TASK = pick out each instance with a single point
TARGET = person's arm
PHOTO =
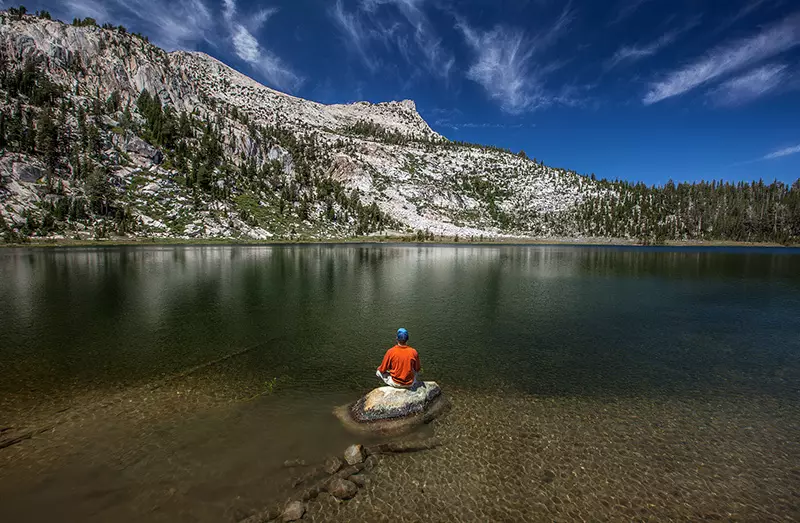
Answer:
(417, 364)
(386, 364)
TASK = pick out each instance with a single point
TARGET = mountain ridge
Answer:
(151, 143)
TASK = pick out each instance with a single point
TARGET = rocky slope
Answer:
(288, 167)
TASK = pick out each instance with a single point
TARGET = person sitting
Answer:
(401, 364)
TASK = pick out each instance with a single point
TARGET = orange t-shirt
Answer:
(401, 362)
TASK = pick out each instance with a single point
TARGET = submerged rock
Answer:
(390, 410)
(342, 488)
(354, 454)
(293, 511)
(332, 464)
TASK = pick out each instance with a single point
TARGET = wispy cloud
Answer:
(481, 125)
(403, 23)
(626, 9)
(356, 35)
(750, 86)
(183, 24)
(248, 48)
(503, 64)
(634, 53)
(780, 153)
(637, 52)
(502, 68)
(179, 24)
(727, 59)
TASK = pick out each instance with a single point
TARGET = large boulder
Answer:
(26, 172)
(389, 410)
(133, 144)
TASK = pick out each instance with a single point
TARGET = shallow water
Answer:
(653, 371)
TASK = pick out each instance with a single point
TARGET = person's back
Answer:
(401, 363)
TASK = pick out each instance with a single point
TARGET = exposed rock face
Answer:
(390, 410)
(135, 145)
(421, 180)
(27, 172)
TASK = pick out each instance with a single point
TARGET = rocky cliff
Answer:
(286, 166)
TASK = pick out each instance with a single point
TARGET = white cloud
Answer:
(787, 151)
(727, 59)
(633, 53)
(411, 33)
(179, 24)
(182, 24)
(637, 52)
(246, 45)
(357, 36)
(503, 65)
(749, 86)
(248, 48)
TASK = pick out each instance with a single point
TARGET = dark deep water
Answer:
(545, 321)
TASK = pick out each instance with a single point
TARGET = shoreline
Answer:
(380, 240)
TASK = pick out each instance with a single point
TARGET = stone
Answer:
(263, 516)
(342, 488)
(135, 145)
(354, 454)
(359, 479)
(293, 511)
(332, 464)
(289, 463)
(349, 471)
(371, 462)
(389, 410)
(390, 402)
(26, 172)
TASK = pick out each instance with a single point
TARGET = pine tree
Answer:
(47, 140)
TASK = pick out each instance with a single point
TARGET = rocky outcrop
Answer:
(422, 182)
(135, 145)
(389, 410)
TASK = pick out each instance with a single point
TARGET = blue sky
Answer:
(636, 89)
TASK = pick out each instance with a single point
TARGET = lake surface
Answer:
(549, 336)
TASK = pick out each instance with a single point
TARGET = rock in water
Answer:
(354, 454)
(390, 410)
(342, 488)
(293, 511)
(332, 464)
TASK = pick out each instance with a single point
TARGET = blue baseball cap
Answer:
(402, 334)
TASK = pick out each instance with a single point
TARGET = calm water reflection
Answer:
(543, 319)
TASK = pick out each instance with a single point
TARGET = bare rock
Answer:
(354, 454)
(391, 411)
(289, 463)
(293, 511)
(134, 144)
(342, 488)
(26, 172)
